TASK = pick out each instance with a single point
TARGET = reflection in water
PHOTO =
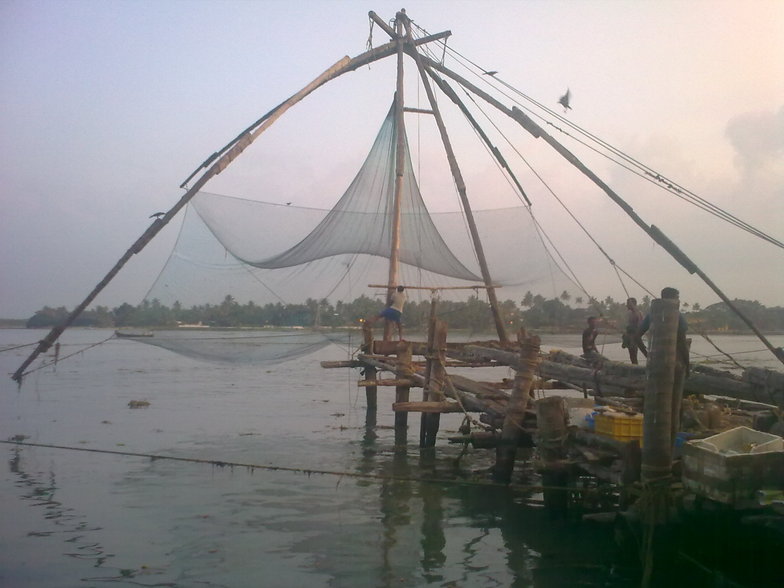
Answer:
(463, 534)
(433, 539)
(41, 493)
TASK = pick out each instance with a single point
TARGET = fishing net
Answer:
(236, 252)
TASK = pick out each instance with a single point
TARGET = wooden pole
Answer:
(461, 190)
(371, 373)
(436, 359)
(400, 131)
(447, 89)
(657, 413)
(551, 420)
(518, 403)
(405, 371)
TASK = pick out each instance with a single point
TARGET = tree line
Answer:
(534, 312)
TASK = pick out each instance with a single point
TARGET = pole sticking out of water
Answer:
(658, 407)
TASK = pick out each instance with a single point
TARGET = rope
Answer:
(563, 205)
(18, 347)
(612, 153)
(54, 362)
(308, 471)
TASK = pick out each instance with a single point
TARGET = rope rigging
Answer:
(486, 143)
(631, 164)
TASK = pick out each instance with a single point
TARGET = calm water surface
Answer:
(348, 509)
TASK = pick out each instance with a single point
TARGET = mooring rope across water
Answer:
(307, 471)
(59, 359)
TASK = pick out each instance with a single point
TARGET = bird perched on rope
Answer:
(564, 100)
(490, 73)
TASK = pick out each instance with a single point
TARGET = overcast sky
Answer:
(106, 106)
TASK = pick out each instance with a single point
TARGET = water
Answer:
(347, 509)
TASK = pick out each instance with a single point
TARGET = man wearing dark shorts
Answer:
(394, 311)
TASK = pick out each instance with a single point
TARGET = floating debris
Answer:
(138, 404)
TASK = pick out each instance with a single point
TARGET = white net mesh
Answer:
(254, 253)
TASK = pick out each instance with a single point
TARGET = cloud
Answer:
(758, 141)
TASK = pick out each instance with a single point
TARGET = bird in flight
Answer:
(564, 100)
(157, 215)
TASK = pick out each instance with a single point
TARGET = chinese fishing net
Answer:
(249, 262)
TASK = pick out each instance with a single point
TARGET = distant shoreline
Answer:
(542, 331)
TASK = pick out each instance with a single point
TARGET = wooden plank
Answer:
(426, 406)
(393, 382)
(352, 363)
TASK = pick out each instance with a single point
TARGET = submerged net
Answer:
(233, 251)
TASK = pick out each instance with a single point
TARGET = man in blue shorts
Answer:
(393, 312)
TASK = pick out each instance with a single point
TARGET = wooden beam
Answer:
(352, 363)
(395, 382)
(461, 188)
(426, 407)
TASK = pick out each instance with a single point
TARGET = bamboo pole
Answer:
(511, 432)
(437, 381)
(447, 89)
(400, 131)
(657, 412)
(404, 371)
(551, 435)
(371, 374)
(461, 189)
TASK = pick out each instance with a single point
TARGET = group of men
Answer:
(636, 327)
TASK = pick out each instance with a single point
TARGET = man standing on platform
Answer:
(631, 340)
(393, 312)
(590, 352)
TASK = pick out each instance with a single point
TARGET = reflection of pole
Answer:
(395, 498)
(461, 189)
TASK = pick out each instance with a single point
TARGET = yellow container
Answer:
(620, 426)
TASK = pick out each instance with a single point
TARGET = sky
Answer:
(106, 106)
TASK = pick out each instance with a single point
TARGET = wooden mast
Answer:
(461, 189)
(394, 254)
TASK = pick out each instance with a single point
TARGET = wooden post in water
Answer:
(551, 420)
(518, 403)
(371, 373)
(404, 370)
(658, 408)
(654, 505)
(434, 387)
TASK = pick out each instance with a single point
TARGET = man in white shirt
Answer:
(394, 310)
